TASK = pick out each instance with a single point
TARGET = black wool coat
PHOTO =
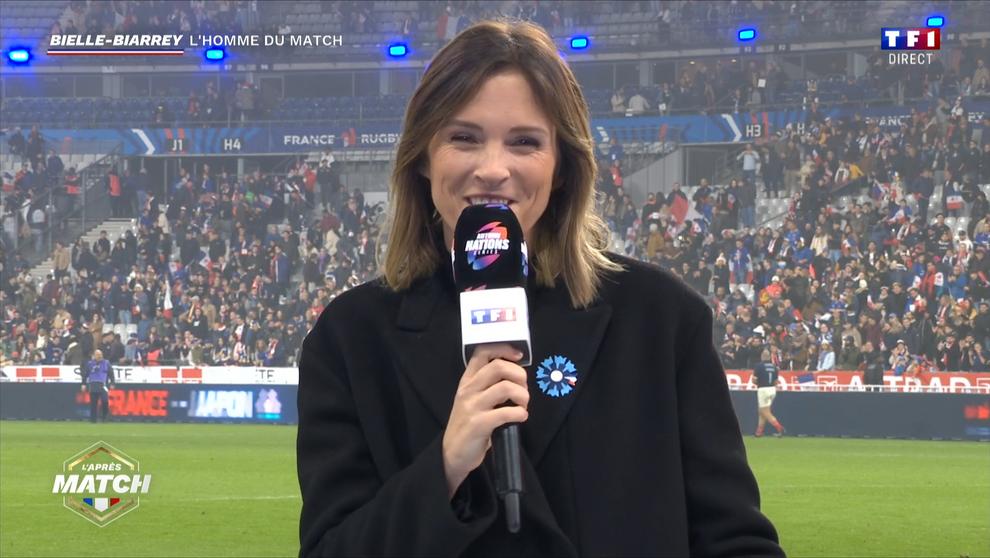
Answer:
(643, 457)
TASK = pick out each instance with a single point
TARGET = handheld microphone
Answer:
(490, 268)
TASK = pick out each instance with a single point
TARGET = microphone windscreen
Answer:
(489, 251)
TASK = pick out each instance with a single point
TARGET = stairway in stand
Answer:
(115, 229)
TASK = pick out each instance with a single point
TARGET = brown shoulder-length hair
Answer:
(570, 239)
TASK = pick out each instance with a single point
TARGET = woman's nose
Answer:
(492, 168)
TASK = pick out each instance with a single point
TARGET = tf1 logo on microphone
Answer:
(493, 315)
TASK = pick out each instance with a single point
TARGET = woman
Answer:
(195, 322)
(394, 431)
(627, 218)
(900, 358)
(619, 101)
(819, 243)
(826, 357)
(979, 361)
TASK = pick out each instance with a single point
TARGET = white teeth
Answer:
(482, 201)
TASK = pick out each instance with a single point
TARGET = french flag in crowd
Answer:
(682, 210)
(741, 267)
(101, 504)
(167, 301)
(806, 379)
(878, 190)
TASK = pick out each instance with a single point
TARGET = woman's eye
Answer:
(527, 142)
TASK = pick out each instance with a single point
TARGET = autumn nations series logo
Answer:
(490, 242)
(101, 483)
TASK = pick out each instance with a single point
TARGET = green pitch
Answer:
(230, 490)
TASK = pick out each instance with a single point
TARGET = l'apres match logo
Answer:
(101, 483)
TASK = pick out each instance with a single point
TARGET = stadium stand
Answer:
(840, 231)
(612, 25)
(707, 87)
(885, 242)
(686, 98)
(194, 283)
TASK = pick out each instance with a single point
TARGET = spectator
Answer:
(619, 101)
(981, 78)
(773, 173)
(55, 167)
(161, 117)
(17, 143)
(326, 177)
(616, 153)
(61, 259)
(637, 104)
(871, 362)
(38, 220)
(849, 358)
(976, 358)
(115, 191)
(193, 109)
(244, 101)
(35, 147)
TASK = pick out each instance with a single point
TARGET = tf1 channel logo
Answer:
(912, 45)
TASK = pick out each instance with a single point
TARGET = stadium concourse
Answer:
(869, 249)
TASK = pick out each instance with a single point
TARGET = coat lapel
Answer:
(428, 340)
(558, 330)
(429, 336)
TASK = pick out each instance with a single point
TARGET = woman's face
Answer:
(500, 145)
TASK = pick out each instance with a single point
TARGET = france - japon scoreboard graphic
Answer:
(910, 45)
(101, 483)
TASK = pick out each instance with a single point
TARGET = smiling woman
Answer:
(502, 116)
(488, 153)
(641, 453)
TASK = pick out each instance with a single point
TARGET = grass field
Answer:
(230, 490)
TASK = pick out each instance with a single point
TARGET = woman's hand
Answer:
(490, 379)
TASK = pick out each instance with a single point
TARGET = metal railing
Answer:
(67, 219)
(895, 96)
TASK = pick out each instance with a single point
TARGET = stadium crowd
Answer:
(726, 86)
(182, 16)
(233, 272)
(882, 283)
(134, 17)
(880, 262)
(864, 272)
